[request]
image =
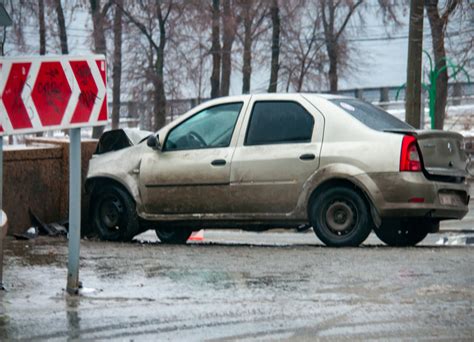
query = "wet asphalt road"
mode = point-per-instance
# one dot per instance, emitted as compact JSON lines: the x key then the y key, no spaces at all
{"x":238,"y":285}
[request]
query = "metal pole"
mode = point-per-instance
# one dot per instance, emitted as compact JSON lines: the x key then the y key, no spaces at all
{"x":1,"y":213}
{"x":74,"y":209}
{"x":1,"y":175}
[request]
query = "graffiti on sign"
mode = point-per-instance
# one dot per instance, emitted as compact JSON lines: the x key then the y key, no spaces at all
{"x":45,"y":93}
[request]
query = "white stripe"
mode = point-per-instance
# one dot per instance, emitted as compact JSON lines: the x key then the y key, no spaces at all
{"x":4,"y":119}
{"x":26,"y":95}
{"x":76,"y":91}
{"x":100,"y":84}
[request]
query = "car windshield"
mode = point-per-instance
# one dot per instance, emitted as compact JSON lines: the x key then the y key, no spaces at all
{"x":370,"y":115}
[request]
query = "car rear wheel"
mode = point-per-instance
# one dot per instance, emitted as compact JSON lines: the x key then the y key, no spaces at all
{"x":175,"y":236}
{"x":113,"y":214}
{"x":401,"y":233}
{"x":340,"y":217}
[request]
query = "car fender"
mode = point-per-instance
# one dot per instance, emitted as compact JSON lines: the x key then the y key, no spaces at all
{"x":111,"y":166}
{"x":335,"y":172}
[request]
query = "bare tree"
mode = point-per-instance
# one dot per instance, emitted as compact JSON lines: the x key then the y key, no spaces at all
{"x":215,"y":50}
{"x":275,"y":16}
{"x":154,"y":14}
{"x":229,"y":25}
{"x":253,"y":14}
{"x":302,"y":45}
{"x":61,"y":27}
{"x":117,"y":67}
{"x":438,"y":23}
{"x":99,"y":14}
{"x":334,"y":12}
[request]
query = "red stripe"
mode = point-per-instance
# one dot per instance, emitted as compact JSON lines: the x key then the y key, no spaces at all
{"x":14,"y":105}
{"x":51,"y":93}
{"x":103,"y":109}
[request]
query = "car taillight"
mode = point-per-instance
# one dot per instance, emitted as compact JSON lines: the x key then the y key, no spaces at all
{"x":409,"y":157}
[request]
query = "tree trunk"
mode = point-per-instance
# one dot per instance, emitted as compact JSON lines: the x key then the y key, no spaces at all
{"x":160,"y":96}
{"x":247,"y":57}
{"x":159,"y":105}
{"x":42,"y":36}
{"x":437,"y":34}
{"x":415,"y":47}
{"x":99,"y":45}
{"x":98,"y":28}
{"x":117,"y":67}
{"x":61,"y":27}
{"x":332,"y":55}
{"x":215,"y":50}
{"x":229,"y":30}
{"x":275,"y":65}
{"x":42,"y":28}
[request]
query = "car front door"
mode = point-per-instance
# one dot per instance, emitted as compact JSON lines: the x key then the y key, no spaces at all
{"x":191,"y":174}
{"x":275,"y":155}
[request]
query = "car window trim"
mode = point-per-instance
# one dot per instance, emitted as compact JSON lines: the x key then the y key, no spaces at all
{"x":280,"y":142}
{"x":192,"y":116}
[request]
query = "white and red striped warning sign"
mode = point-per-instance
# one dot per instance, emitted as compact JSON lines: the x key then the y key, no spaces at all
{"x":49,"y":93}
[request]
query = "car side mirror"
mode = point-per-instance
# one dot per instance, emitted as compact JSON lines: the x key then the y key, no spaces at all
{"x":153,"y":141}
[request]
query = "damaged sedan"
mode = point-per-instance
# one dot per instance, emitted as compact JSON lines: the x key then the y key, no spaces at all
{"x":256,"y":162}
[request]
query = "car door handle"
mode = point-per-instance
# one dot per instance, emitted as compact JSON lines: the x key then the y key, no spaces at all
{"x":307,"y":156}
{"x":218,"y":162}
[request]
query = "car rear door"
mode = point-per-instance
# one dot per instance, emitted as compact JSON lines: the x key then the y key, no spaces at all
{"x":191,"y":175}
{"x":278,"y":149}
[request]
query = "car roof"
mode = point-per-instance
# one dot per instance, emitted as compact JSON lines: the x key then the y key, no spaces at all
{"x":277,"y":96}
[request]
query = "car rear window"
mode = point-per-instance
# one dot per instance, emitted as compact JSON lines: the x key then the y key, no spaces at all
{"x":370,"y":115}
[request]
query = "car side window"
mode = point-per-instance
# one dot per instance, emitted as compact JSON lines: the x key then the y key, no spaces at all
{"x":211,"y":128}
{"x":278,"y":122}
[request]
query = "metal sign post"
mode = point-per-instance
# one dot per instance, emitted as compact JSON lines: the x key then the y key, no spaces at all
{"x":74,"y":210}
{"x":5,"y":21}
{"x":1,"y":213}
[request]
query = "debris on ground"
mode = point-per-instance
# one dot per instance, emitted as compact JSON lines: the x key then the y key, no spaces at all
{"x":455,"y":240}
{"x":38,"y":227}
{"x":29,"y":234}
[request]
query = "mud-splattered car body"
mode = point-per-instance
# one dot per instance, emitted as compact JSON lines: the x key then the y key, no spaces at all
{"x":265,"y":171}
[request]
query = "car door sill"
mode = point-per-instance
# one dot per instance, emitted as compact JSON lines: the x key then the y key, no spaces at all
{"x":184,"y":185}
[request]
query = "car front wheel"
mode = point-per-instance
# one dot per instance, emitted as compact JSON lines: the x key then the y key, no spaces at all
{"x":400,"y":233}
{"x":340,"y":217}
{"x":113,"y":214}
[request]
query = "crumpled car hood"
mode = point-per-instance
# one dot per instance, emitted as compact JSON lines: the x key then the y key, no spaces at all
{"x":120,"y":138}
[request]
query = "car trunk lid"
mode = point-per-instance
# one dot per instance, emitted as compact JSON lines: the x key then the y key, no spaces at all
{"x":441,"y":151}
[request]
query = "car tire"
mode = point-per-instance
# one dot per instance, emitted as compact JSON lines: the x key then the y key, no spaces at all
{"x":173,"y":236}
{"x":340,"y":217}
{"x":401,"y":233}
{"x":114,"y":215}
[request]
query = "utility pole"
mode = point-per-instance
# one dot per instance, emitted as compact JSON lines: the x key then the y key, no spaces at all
{"x":413,"y":106}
